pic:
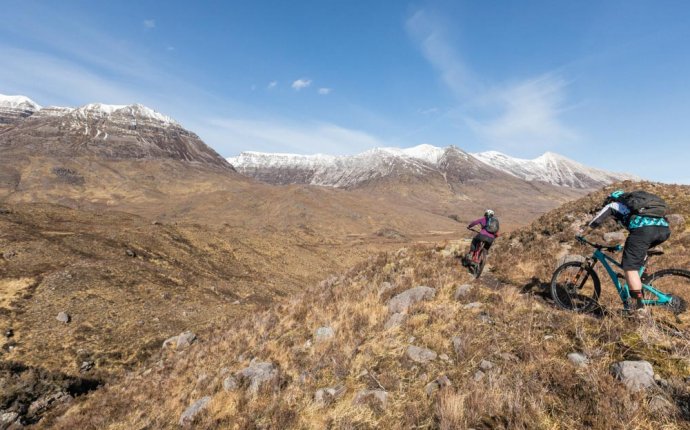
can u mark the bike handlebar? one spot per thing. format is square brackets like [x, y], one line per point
[599, 246]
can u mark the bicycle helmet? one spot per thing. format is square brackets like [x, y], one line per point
[614, 196]
[489, 213]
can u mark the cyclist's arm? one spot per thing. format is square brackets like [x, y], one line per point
[603, 214]
[476, 222]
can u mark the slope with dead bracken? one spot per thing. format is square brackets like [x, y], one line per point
[480, 356]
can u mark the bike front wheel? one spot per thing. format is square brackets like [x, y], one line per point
[671, 282]
[575, 286]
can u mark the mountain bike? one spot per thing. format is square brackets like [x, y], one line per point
[575, 285]
[477, 259]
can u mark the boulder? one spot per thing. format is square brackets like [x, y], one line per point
[659, 405]
[258, 374]
[189, 415]
[229, 384]
[326, 396]
[462, 291]
[437, 384]
[375, 399]
[478, 376]
[395, 320]
[63, 317]
[181, 341]
[636, 375]
[614, 237]
[578, 359]
[420, 355]
[402, 302]
[130, 253]
[324, 334]
[48, 401]
[486, 365]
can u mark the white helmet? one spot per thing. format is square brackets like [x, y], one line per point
[489, 213]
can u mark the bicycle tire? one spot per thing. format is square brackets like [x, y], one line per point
[480, 266]
[561, 292]
[673, 282]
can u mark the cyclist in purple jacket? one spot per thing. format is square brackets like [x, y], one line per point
[488, 233]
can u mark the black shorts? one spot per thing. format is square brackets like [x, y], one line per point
[639, 241]
[482, 238]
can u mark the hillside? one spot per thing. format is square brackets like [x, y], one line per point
[352, 353]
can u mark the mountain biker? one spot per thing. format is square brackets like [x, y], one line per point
[488, 233]
[645, 232]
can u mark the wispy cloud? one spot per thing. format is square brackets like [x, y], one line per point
[300, 84]
[272, 136]
[149, 24]
[524, 113]
[271, 85]
[325, 91]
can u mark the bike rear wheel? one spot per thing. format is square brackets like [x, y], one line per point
[575, 286]
[672, 282]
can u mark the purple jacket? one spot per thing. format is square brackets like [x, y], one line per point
[482, 221]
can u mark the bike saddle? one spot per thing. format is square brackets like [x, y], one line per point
[655, 251]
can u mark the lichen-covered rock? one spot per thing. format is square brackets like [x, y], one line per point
[189, 415]
[402, 302]
[324, 334]
[181, 341]
[636, 375]
[578, 359]
[394, 320]
[376, 399]
[420, 355]
[63, 317]
[257, 375]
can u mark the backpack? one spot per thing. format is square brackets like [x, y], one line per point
[492, 225]
[644, 204]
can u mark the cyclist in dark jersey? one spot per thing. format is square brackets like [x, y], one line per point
[484, 235]
[645, 232]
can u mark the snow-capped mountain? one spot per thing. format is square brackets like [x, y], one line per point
[108, 131]
[552, 168]
[452, 163]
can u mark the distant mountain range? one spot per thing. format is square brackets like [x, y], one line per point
[355, 170]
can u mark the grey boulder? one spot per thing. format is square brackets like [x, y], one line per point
[636, 375]
[420, 355]
[377, 399]
[402, 302]
[258, 374]
[189, 415]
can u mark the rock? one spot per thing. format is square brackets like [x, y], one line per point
[375, 399]
[395, 320]
[578, 359]
[402, 302]
[659, 405]
[478, 376]
[486, 365]
[130, 253]
[676, 221]
[614, 237]
[485, 318]
[43, 403]
[459, 346]
[229, 384]
[328, 395]
[181, 341]
[63, 317]
[548, 337]
[636, 375]
[473, 305]
[258, 374]
[189, 414]
[9, 418]
[420, 355]
[323, 334]
[9, 333]
[385, 287]
[462, 291]
[437, 384]
[86, 366]
[7, 255]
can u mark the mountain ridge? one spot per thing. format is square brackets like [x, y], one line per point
[349, 170]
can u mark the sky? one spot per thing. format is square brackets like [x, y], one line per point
[602, 82]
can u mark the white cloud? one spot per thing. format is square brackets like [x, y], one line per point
[300, 84]
[325, 91]
[272, 85]
[149, 24]
[525, 113]
[280, 136]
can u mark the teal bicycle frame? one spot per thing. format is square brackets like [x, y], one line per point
[662, 299]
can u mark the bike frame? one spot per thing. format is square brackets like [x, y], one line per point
[623, 291]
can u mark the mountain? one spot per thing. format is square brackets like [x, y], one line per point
[107, 131]
[356, 170]
[552, 168]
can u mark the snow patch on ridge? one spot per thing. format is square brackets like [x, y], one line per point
[18, 102]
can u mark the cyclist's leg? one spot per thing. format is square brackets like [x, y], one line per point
[488, 241]
[634, 254]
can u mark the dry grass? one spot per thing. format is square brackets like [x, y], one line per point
[532, 385]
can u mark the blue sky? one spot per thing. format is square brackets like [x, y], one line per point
[603, 82]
